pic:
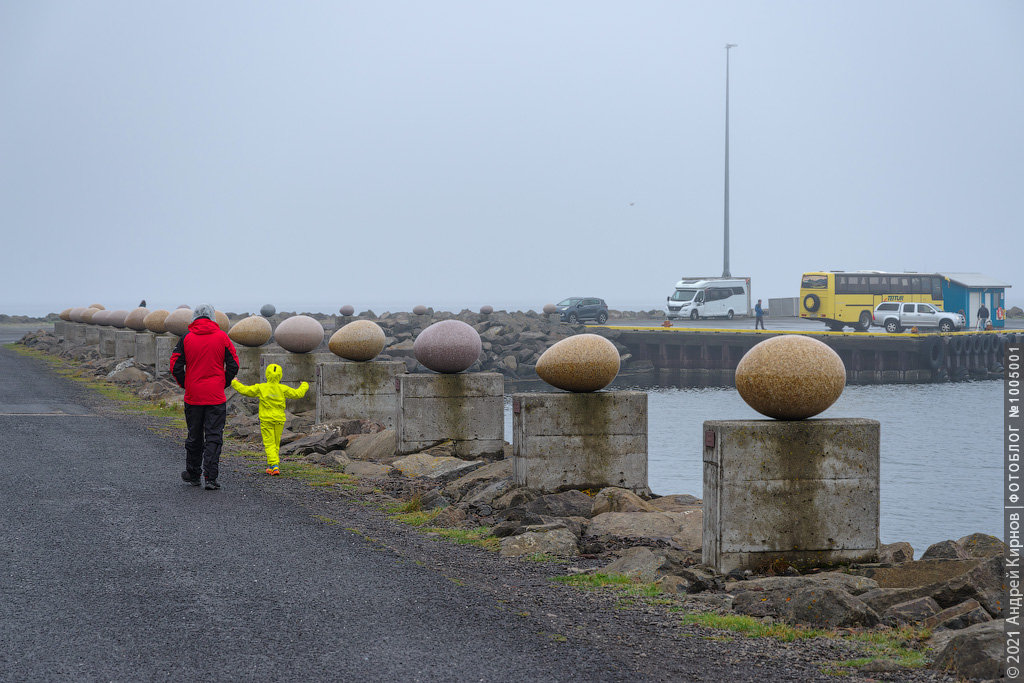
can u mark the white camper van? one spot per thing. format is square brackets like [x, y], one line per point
[709, 298]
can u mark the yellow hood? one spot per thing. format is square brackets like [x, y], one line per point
[274, 373]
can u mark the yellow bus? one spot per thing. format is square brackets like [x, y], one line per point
[839, 298]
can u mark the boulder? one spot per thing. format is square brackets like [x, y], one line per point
[982, 545]
[681, 529]
[547, 539]
[252, 331]
[895, 553]
[438, 469]
[299, 334]
[945, 550]
[321, 442]
[911, 612]
[614, 499]
[360, 340]
[976, 652]
[581, 363]
[637, 563]
[448, 346]
[828, 607]
[967, 613]
[378, 446]
[790, 377]
[674, 503]
[479, 479]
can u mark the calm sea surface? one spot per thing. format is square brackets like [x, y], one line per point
[941, 449]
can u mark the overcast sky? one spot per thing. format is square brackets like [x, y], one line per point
[456, 154]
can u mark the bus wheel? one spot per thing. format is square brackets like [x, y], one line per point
[812, 302]
[865, 321]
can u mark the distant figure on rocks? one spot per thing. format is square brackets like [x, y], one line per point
[204, 362]
[758, 315]
[142, 304]
[272, 395]
[982, 317]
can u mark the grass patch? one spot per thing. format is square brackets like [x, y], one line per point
[541, 557]
[480, 536]
[753, 627]
[417, 517]
[622, 585]
[326, 520]
[315, 475]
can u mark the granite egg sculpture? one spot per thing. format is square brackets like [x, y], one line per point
[154, 321]
[267, 310]
[790, 377]
[580, 363]
[117, 317]
[136, 319]
[252, 331]
[486, 310]
[360, 340]
[221, 318]
[99, 306]
[550, 308]
[448, 346]
[76, 314]
[299, 334]
[346, 310]
[65, 315]
[185, 306]
[100, 317]
[178, 320]
[419, 310]
[88, 313]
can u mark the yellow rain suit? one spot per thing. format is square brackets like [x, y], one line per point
[272, 395]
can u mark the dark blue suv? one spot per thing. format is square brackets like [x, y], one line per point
[577, 308]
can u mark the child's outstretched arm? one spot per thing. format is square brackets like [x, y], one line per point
[289, 392]
[245, 390]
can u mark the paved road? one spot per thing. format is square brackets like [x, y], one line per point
[787, 324]
[115, 570]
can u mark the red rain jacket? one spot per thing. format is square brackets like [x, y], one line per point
[204, 362]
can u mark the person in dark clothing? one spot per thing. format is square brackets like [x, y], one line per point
[982, 317]
[758, 315]
[203, 363]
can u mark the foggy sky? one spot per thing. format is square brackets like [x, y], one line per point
[456, 154]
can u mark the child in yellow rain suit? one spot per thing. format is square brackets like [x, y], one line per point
[272, 395]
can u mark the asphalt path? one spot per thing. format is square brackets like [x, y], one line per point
[116, 570]
[781, 324]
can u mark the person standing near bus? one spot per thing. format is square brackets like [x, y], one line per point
[758, 315]
[982, 317]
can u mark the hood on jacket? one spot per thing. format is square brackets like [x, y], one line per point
[274, 373]
[203, 326]
[204, 311]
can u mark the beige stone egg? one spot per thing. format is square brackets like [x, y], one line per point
[136, 319]
[299, 334]
[360, 340]
[65, 315]
[100, 317]
[99, 306]
[154, 321]
[252, 331]
[790, 377]
[117, 317]
[76, 314]
[88, 314]
[222, 320]
[178, 320]
[581, 363]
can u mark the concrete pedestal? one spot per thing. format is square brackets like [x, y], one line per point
[806, 492]
[58, 329]
[466, 409]
[165, 344]
[295, 369]
[92, 335]
[250, 368]
[106, 344]
[74, 335]
[349, 390]
[580, 441]
[145, 349]
[124, 344]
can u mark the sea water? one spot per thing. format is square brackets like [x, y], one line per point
[941, 449]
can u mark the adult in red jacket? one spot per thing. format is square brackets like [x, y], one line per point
[204, 362]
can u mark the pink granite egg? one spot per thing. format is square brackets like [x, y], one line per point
[299, 334]
[448, 346]
[178, 320]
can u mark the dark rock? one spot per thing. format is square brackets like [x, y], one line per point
[323, 442]
[982, 545]
[960, 616]
[975, 652]
[945, 550]
[895, 553]
[829, 607]
[911, 611]
[566, 504]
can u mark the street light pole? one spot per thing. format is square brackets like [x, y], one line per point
[725, 265]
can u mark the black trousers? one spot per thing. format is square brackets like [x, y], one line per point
[205, 439]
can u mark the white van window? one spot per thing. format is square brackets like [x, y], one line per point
[683, 294]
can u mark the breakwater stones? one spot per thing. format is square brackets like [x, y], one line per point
[448, 346]
[252, 331]
[790, 377]
[581, 363]
[360, 340]
[299, 334]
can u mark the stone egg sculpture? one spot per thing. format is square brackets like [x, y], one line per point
[420, 310]
[448, 346]
[154, 321]
[360, 340]
[346, 310]
[76, 314]
[136, 319]
[486, 310]
[116, 318]
[221, 318]
[790, 377]
[98, 317]
[65, 315]
[178, 320]
[299, 334]
[185, 306]
[99, 306]
[550, 308]
[88, 313]
[580, 363]
[267, 310]
[252, 331]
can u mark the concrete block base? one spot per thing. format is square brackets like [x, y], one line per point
[580, 441]
[358, 391]
[108, 335]
[467, 409]
[165, 344]
[92, 335]
[124, 344]
[74, 335]
[145, 349]
[805, 492]
[250, 363]
[295, 369]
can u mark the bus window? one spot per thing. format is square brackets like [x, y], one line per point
[936, 288]
[814, 282]
[916, 286]
[859, 284]
[878, 284]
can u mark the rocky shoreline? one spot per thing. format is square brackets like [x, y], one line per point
[951, 598]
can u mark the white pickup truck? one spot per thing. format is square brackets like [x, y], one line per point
[896, 316]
